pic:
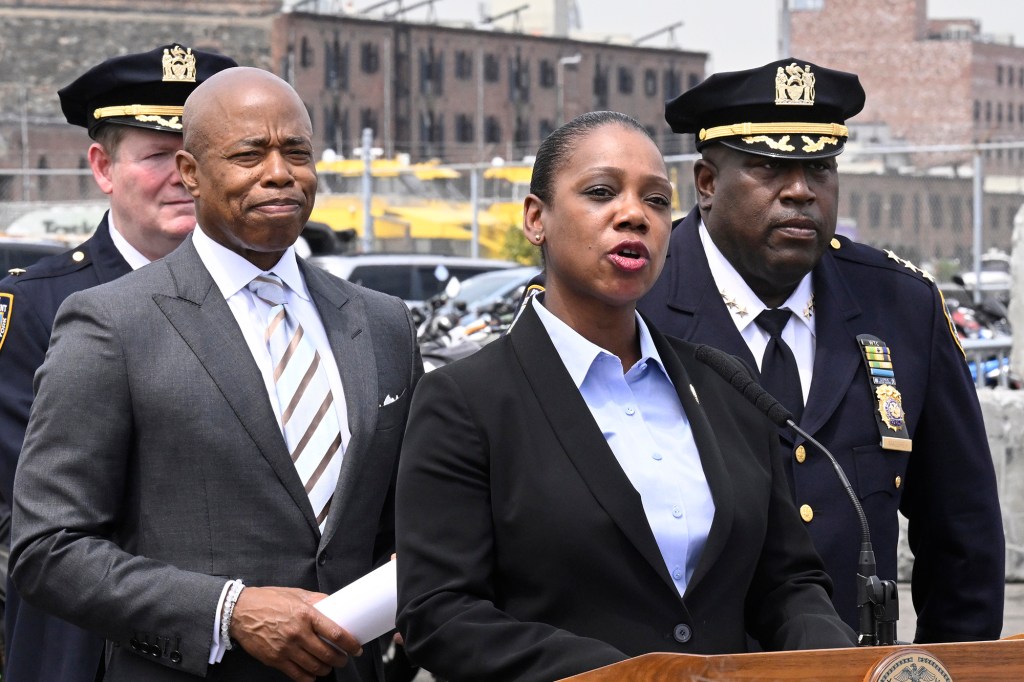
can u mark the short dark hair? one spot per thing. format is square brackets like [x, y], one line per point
[557, 146]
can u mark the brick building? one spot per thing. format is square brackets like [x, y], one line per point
[461, 94]
[431, 91]
[931, 81]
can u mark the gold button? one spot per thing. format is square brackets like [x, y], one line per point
[78, 256]
[801, 454]
[806, 513]
[899, 481]
[834, 243]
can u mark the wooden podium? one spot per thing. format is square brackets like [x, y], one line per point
[993, 661]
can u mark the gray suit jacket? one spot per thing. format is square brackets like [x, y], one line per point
[154, 468]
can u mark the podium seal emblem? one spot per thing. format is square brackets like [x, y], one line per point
[909, 665]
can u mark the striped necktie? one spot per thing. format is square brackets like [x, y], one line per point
[306, 404]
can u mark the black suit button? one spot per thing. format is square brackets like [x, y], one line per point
[682, 633]
[323, 559]
[134, 643]
[154, 651]
[175, 657]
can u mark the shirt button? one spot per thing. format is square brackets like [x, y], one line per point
[677, 573]
[806, 513]
[630, 411]
[656, 455]
[677, 511]
[682, 633]
[800, 454]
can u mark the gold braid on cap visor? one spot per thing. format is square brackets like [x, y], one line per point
[137, 110]
[748, 129]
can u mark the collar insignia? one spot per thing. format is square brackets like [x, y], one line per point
[734, 307]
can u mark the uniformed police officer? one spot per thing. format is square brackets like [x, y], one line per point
[131, 106]
[854, 341]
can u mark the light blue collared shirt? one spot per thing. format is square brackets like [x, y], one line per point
[644, 424]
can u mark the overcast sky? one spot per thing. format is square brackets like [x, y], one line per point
[737, 34]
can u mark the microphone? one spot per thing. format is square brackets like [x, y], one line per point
[877, 600]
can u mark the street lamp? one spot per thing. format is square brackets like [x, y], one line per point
[571, 60]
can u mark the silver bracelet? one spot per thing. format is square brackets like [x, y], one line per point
[229, 608]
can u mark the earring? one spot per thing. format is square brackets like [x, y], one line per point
[536, 237]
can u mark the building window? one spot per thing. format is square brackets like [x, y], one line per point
[545, 128]
[463, 65]
[305, 53]
[999, 112]
[518, 79]
[896, 218]
[855, 201]
[993, 218]
[369, 57]
[672, 83]
[492, 130]
[601, 87]
[651, 83]
[988, 112]
[547, 77]
[999, 74]
[874, 210]
[917, 213]
[977, 111]
[692, 81]
[85, 182]
[935, 210]
[1009, 112]
[431, 72]
[625, 80]
[464, 128]
[492, 68]
[956, 206]
[335, 66]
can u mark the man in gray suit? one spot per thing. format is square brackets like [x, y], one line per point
[214, 440]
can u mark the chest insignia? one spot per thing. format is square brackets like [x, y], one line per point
[6, 306]
[889, 415]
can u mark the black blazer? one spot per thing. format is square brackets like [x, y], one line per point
[958, 547]
[524, 550]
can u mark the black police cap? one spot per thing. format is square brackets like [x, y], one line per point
[789, 108]
[145, 90]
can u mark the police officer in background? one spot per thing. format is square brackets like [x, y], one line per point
[131, 106]
[854, 341]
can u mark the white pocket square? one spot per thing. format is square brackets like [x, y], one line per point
[388, 399]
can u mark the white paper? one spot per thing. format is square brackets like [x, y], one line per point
[366, 608]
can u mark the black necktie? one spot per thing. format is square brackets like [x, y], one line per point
[779, 373]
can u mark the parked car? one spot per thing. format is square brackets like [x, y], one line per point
[412, 277]
[18, 252]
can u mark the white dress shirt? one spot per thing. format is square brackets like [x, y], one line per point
[135, 259]
[744, 306]
[643, 422]
[232, 274]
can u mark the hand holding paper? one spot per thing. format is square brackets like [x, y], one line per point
[366, 608]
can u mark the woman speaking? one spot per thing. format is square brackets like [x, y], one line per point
[583, 490]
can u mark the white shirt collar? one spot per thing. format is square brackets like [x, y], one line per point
[577, 353]
[232, 273]
[134, 257]
[740, 299]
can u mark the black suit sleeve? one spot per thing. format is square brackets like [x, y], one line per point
[449, 610]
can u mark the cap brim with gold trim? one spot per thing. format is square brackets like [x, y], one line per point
[144, 90]
[790, 108]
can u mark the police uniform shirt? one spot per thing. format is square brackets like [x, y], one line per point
[744, 306]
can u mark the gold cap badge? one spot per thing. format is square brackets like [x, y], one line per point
[794, 85]
[179, 65]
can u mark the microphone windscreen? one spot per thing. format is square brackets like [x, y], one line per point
[733, 371]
